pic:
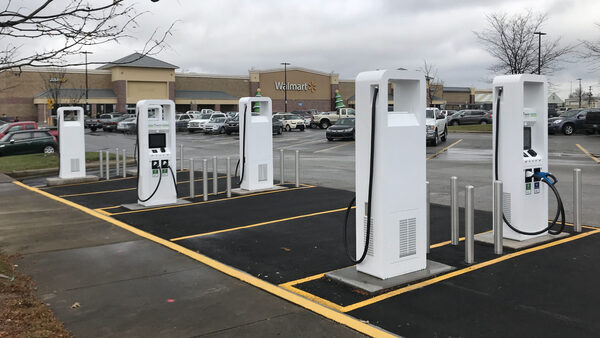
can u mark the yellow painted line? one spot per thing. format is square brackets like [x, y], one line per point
[126, 189]
[303, 280]
[243, 276]
[313, 298]
[260, 224]
[588, 154]
[463, 271]
[210, 201]
[334, 147]
[102, 212]
[444, 149]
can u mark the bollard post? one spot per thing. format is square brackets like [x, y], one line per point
[453, 210]
[192, 182]
[577, 197]
[427, 216]
[117, 159]
[498, 221]
[297, 168]
[181, 156]
[281, 166]
[228, 176]
[215, 176]
[205, 179]
[101, 157]
[469, 225]
[107, 165]
[124, 163]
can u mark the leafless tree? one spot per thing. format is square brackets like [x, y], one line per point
[510, 40]
[592, 50]
[431, 79]
[72, 26]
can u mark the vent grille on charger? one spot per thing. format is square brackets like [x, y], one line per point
[408, 237]
[74, 165]
[506, 200]
[371, 249]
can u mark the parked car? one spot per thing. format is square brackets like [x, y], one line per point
[27, 142]
[568, 122]
[92, 123]
[307, 115]
[193, 113]
[215, 125]
[198, 123]
[470, 116]
[435, 125]
[325, 119]
[16, 126]
[592, 122]
[290, 121]
[109, 121]
[232, 126]
[343, 129]
[448, 113]
[277, 126]
[182, 120]
[128, 125]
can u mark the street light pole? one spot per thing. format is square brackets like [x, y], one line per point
[539, 34]
[285, 64]
[579, 92]
[86, 82]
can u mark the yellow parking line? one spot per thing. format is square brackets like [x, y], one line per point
[444, 149]
[588, 154]
[334, 147]
[306, 303]
[259, 224]
[211, 201]
[314, 298]
[463, 271]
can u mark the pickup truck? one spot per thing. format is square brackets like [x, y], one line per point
[109, 121]
[435, 125]
[325, 119]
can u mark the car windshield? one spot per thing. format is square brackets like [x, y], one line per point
[205, 116]
[429, 114]
[570, 113]
[217, 120]
[345, 122]
[105, 116]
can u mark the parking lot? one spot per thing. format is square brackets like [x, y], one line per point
[290, 238]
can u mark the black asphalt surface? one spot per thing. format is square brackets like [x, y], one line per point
[544, 293]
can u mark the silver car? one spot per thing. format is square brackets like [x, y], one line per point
[215, 125]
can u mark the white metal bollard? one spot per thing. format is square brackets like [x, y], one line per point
[469, 225]
[577, 198]
[454, 234]
[498, 221]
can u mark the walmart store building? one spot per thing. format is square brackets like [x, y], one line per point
[117, 86]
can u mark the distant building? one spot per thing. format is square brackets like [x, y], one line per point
[555, 99]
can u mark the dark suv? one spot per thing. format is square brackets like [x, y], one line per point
[591, 124]
[569, 121]
[470, 116]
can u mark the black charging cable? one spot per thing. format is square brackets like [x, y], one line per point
[560, 211]
[370, 192]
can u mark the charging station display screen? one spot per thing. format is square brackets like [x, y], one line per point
[157, 140]
[526, 138]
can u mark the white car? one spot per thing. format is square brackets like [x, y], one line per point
[197, 124]
[435, 125]
[290, 121]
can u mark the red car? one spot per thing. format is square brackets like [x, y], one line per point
[16, 126]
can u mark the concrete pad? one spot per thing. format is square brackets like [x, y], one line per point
[350, 276]
[136, 206]
[54, 181]
[488, 238]
[240, 191]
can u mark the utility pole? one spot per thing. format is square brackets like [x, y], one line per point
[285, 64]
[539, 34]
[579, 92]
[87, 103]
[590, 98]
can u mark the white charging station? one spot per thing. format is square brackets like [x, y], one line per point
[256, 145]
[71, 142]
[156, 153]
[522, 151]
[398, 210]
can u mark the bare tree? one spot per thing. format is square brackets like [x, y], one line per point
[510, 40]
[73, 25]
[431, 80]
[592, 50]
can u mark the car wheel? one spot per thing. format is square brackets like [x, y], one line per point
[324, 124]
[483, 122]
[288, 128]
[445, 135]
[93, 129]
[48, 150]
[222, 130]
[454, 123]
[329, 139]
[280, 131]
[436, 140]
[301, 128]
[568, 129]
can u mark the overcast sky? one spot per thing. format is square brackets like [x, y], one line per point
[347, 37]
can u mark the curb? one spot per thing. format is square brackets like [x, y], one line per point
[31, 173]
